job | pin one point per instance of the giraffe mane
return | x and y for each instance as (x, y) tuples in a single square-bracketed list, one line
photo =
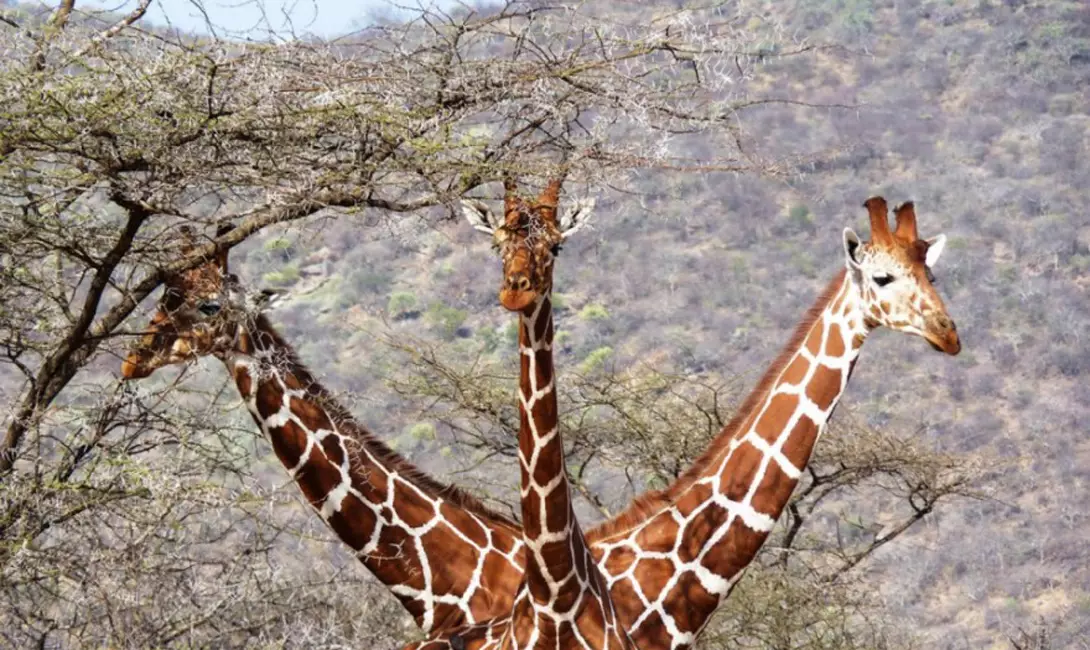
[(379, 449), (652, 502)]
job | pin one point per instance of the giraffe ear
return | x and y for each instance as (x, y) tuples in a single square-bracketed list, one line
[(480, 216), (935, 246), (851, 248), (572, 220)]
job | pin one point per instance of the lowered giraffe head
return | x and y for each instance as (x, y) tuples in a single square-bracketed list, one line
[(528, 237), (893, 274), (197, 315)]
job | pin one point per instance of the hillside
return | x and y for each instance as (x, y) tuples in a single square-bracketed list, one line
[(977, 111)]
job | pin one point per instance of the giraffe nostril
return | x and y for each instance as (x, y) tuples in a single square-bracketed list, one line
[(524, 283)]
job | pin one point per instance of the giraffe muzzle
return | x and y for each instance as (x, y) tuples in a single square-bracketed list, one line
[(517, 282), (517, 294), (943, 335), (513, 300)]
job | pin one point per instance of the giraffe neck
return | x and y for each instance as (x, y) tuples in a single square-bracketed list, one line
[(564, 593), (446, 557), (706, 528), (549, 525)]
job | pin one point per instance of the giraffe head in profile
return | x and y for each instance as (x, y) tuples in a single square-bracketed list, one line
[(197, 315), (893, 275), (528, 238)]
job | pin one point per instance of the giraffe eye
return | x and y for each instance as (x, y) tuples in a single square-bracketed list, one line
[(930, 275), (883, 279), (209, 308)]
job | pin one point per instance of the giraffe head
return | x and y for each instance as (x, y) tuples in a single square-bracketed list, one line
[(197, 315), (893, 274), (528, 237)]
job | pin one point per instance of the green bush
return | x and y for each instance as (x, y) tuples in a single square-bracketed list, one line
[(279, 249), (800, 218), (400, 302), (595, 359), (511, 332), (593, 312), (423, 431), (285, 277), (445, 320)]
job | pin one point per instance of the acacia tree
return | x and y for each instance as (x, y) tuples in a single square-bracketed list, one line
[(129, 517)]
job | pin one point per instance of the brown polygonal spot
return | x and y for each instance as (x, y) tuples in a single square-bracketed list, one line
[(557, 558), (413, 509), (243, 381), (824, 386), (652, 633), (592, 626), (309, 412), (774, 491), (354, 523), (800, 443), (696, 534), (291, 382), (697, 494), (371, 479), (734, 551), (317, 478), (557, 504), (505, 543), (270, 399), (485, 602), (740, 473), (689, 603), (289, 442), (618, 560), (653, 574), (659, 533), (774, 419), (625, 599), (452, 561), (331, 447), (795, 372), (396, 558), (463, 522), (834, 345)]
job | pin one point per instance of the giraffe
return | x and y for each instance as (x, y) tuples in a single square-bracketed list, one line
[(675, 554), (447, 558), (564, 604), (672, 556)]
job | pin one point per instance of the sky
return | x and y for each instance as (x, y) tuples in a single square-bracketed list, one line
[(243, 18)]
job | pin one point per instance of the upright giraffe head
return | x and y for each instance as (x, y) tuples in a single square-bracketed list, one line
[(528, 237), (197, 315), (893, 274)]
